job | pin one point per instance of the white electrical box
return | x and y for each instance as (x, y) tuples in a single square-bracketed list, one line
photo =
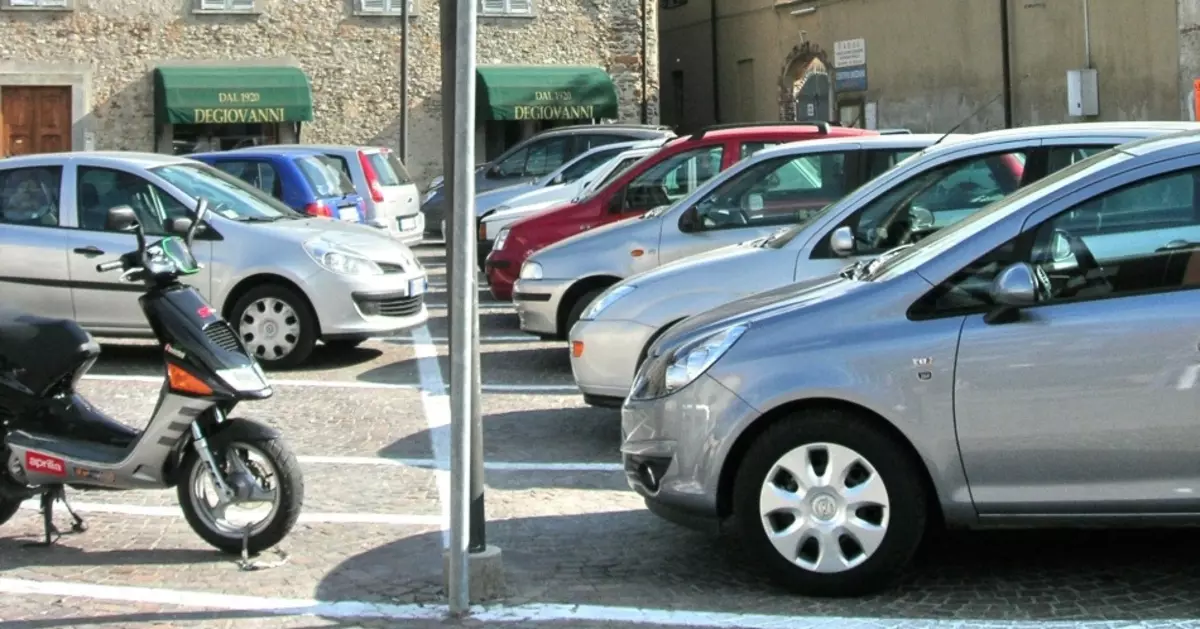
[(1083, 92)]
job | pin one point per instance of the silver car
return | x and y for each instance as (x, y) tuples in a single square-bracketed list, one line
[(775, 186), (935, 188), (392, 198), (285, 279), (1033, 364)]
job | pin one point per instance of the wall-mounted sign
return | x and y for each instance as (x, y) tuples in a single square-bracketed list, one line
[(850, 52), (852, 79)]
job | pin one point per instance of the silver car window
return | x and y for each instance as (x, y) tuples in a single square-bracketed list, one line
[(228, 196), (30, 196)]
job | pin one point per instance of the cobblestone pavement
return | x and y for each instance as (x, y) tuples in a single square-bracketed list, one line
[(579, 548)]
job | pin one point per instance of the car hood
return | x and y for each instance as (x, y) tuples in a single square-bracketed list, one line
[(485, 201), (694, 263), (557, 193), (761, 306), (361, 239), (522, 211), (601, 239)]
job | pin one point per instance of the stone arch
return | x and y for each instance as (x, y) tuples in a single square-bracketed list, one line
[(805, 81)]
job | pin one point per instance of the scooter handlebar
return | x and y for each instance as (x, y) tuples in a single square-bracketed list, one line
[(105, 267)]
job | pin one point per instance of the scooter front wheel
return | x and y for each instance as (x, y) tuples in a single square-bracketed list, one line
[(269, 494)]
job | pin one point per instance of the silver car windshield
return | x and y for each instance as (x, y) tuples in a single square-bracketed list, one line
[(948, 237), (227, 195)]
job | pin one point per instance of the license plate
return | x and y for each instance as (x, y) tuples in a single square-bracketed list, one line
[(348, 213), (417, 286), (408, 224)]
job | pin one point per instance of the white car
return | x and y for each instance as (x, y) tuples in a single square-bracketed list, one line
[(494, 222)]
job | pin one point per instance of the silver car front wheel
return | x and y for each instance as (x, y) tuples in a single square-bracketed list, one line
[(276, 324), (830, 503)]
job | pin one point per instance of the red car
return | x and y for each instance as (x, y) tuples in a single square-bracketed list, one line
[(675, 171)]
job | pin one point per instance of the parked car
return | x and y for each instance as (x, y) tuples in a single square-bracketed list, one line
[(552, 184), (535, 157), (283, 278), (389, 193), (941, 185), (675, 171), (1033, 363), (304, 180), (495, 221), (774, 187)]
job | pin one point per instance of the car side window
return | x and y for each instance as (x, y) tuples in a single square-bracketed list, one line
[(546, 157), (30, 196), (513, 165), (750, 148), (593, 140), (780, 191), (880, 161), (1059, 157), (259, 174), (673, 178), (935, 199), (1144, 237), (587, 164), (100, 189)]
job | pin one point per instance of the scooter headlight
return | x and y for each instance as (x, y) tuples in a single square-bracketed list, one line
[(245, 379)]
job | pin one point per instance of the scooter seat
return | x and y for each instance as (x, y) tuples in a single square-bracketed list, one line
[(39, 351)]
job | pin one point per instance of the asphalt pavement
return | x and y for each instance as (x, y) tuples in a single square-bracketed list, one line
[(580, 550)]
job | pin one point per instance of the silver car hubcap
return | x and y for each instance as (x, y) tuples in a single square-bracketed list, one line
[(270, 328), (824, 507)]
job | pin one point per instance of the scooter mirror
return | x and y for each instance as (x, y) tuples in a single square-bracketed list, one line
[(121, 218)]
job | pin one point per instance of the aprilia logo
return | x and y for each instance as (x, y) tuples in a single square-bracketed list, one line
[(45, 464)]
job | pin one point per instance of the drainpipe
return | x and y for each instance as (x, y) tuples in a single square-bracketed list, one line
[(1087, 36), (716, 89), (1006, 64), (645, 63)]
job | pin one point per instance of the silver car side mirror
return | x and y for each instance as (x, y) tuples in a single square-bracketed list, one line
[(1015, 286), (841, 242)]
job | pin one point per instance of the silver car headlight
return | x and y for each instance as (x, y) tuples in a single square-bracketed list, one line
[(531, 271), (693, 360), (500, 238), (338, 260), (606, 299)]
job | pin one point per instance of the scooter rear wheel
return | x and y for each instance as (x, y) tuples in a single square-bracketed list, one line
[(275, 472)]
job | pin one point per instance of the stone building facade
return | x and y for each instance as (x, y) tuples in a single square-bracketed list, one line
[(926, 65), (155, 75)]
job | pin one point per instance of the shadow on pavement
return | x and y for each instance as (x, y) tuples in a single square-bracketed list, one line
[(541, 366), (632, 559), (17, 554), (146, 360)]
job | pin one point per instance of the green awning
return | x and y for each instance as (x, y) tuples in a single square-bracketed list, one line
[(511, 92), (231, 94)]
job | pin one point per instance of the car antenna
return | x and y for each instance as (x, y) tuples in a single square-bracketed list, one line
[(972, 115)]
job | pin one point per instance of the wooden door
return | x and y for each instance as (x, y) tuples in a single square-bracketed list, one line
[(36, 119)]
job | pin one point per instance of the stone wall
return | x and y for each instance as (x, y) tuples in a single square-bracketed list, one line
[(352, 60)]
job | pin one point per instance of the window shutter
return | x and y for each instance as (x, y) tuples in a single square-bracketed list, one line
[(373, 6), (492, 6), (520, 6)]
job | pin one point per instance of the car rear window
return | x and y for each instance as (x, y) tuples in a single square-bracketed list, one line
[(324, 176), (391, 172)]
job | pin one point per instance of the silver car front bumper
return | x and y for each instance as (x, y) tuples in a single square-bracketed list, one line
[(364, 306), (667, 448), (604, 356), (537, 303)]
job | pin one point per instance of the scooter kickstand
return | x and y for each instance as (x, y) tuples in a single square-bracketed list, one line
[(77, 523), (52, 532)]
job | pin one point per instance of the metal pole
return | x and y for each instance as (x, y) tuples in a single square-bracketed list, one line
[(404, 82), (1087, 35), (458, 579)]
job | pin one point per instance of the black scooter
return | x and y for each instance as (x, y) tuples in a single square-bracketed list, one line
[(54, 438)]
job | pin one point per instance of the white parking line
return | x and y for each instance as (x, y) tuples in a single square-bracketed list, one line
[(496, 466), (533, 612), (511, 338), (359, 384), (401, 519), (435, 402), (484, 307)]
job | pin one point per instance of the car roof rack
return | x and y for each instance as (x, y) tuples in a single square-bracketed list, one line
[(894, 131), (821, 125)]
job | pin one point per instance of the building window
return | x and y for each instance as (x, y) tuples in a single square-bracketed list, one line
[(506, 7), (225, 6), (384, 7), (46, 5)]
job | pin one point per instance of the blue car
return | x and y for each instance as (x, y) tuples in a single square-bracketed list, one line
[(306, 181)]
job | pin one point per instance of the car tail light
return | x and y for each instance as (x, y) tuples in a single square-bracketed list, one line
[(372, 177), (318, 208)]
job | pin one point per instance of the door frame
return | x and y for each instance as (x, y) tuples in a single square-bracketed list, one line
[(77, 77)]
